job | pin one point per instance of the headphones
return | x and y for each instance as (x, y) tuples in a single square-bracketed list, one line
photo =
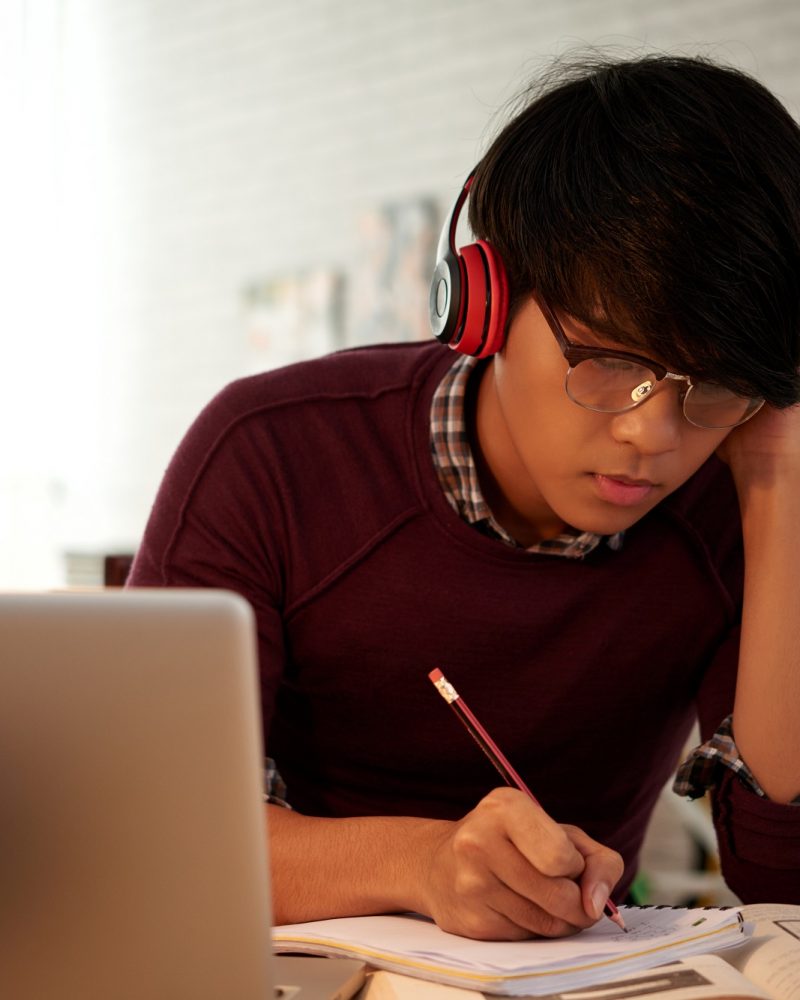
[(468, 303)]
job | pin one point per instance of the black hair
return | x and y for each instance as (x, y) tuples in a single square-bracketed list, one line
[(657, 200)]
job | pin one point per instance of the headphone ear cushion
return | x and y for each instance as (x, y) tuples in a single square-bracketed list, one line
[(498, 300), (475, 291), (486, 311)]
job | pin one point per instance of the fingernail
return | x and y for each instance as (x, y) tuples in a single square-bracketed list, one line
[(600, 895)]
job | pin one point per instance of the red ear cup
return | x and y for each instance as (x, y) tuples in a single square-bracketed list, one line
[(498, 301), (475, 294), (469, 292), (485, 294)]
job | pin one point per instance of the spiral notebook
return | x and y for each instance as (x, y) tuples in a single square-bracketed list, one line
[(415, 946)]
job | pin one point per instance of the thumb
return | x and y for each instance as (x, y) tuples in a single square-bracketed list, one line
[(603, 869)]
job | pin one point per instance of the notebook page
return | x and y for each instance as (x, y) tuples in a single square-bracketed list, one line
[(651, 931)]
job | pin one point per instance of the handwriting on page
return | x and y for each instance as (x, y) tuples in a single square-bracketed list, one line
[(648, 924)]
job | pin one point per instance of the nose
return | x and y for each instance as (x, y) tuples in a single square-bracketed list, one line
[(657, 425)]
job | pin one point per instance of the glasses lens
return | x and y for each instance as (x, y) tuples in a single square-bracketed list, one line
[(609, 384), (710, 405)]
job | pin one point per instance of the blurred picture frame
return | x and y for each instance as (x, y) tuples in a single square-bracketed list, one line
[(388, 293), (293, 317)]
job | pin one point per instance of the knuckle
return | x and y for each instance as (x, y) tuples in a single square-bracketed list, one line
[(496, 802), (479, 925), (500, 794), (551, 896), (467, 843), (558, 857), (560, 900), (468, 884), (549, 925), (611, 863)]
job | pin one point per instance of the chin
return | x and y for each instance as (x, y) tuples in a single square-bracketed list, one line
[(607, 522)]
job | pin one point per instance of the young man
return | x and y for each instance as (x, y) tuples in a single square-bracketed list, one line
[(592, 531)]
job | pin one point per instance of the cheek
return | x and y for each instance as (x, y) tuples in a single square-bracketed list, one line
[(543, 422), (700, 446), (531, 392)]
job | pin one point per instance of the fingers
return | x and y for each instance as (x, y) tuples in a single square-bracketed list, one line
[(603, 869), (499, 914), (508, 871), (492, 875), (544, 843)]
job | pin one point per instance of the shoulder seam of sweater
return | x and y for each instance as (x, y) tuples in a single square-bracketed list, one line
[(238, 419)]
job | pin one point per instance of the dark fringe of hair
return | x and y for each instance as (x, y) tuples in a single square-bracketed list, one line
[(656, 200)]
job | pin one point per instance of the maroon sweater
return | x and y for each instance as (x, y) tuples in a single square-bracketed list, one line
[(311, 491)]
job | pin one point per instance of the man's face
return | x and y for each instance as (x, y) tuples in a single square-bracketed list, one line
[(547, 462)]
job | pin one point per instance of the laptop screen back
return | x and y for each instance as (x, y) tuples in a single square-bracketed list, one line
[(132, 844)]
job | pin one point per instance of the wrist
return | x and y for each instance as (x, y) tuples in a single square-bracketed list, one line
[(767, 471), (768, 490), (419, 869)]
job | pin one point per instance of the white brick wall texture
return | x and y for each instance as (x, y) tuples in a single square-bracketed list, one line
[(207, 144)]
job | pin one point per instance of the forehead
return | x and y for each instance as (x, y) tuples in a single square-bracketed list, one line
[(598, 331)]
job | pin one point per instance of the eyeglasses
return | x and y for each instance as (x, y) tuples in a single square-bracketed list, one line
[(610, 381)]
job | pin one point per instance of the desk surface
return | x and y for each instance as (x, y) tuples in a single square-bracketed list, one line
[(392, 986)]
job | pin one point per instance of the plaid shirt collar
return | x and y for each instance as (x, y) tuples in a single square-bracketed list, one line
[(455, 466)]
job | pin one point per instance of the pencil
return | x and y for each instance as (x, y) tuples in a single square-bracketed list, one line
[(497, 757)]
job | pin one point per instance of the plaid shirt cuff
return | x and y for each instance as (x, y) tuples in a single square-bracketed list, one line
[(274, 785), (702, 768)]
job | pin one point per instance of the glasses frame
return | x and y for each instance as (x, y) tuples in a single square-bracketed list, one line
[(576, 353)]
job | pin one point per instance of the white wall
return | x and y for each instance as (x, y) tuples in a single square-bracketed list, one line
[(200, 144)]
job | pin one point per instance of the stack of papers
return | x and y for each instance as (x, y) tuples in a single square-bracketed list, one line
[(415, 946)]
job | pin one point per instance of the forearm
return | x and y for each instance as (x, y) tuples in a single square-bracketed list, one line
[(334, 867), (506, 870), (766, 717)]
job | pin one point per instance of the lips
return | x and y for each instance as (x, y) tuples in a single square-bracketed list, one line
[(622, 490)]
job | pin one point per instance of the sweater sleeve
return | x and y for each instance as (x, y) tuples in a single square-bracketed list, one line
[(214, 523), (759, 840)]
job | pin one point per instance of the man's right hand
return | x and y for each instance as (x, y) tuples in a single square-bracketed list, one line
[(507, 871)]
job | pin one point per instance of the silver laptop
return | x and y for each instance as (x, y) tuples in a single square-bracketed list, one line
[(133, 859)]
